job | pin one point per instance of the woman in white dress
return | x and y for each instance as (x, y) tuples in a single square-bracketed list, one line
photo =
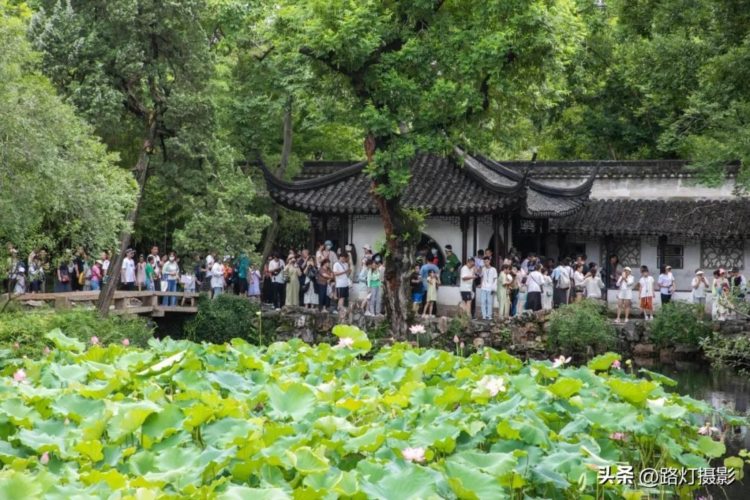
[(625, 285), (546, 290)]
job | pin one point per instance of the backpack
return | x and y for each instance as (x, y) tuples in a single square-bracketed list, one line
[(563, 278)]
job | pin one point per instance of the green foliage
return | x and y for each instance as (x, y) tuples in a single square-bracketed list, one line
[(579, 326), (225, 318), (28, 329), (291, 420), (679, 323), (220, 219), (731, 351), (58, 183)]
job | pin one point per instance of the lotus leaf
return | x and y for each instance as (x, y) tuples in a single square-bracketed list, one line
[(186, 420)]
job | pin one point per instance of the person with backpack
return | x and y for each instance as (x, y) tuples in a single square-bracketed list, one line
[(63, 277), (562, 278)]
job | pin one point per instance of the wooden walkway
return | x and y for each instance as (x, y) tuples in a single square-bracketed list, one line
[(123, 303)]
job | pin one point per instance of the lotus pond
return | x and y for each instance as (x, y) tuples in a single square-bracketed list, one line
[(181, 419)]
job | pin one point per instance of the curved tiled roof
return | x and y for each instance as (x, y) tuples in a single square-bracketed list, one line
[(438, 185), (691, 218), (611, 169)]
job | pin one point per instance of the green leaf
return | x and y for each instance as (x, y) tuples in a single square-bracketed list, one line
[(295, 401), (658, 377), (633, 392), (309, 462), (468, 482), (603, 362), (565, 387), (361, 342), (129, 417), (711, 448), (234, 492), (63, 342)]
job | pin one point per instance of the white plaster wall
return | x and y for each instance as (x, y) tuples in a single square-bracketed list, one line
[(444, 233), (367, 231), (652, 188)]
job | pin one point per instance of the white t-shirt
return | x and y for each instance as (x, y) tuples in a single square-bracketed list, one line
[(128, 270), (625, 284), (646, 284), (273, 266), (665, 283), (217, 275), (534, 281), (699, 288), (105, 266), (593, 286), (342, 280), (465, 285), (489, 278), (578, 278)]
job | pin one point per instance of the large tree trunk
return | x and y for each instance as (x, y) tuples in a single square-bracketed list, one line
[(398, 263), (286, 151), (141, 174)]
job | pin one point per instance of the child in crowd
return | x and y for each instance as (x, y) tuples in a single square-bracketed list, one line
[(647, 292), (188, 284), (432, 287)]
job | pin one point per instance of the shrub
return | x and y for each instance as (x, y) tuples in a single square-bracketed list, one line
[(225, 318), (576, 327), (28, 329), (730, 351), (679, 323)]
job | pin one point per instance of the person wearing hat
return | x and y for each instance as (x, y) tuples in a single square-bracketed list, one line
[(666, 284), (127, 274), (452, 264), (624, 293), (647, 293), (699, 286)]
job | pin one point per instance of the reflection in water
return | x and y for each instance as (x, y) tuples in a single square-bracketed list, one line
[(721, 389)]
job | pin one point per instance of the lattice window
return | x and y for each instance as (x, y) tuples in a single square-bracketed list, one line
[(627, 250), (527, 225), (722, 253)]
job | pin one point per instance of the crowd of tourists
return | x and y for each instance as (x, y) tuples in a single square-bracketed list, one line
[(498, 288)]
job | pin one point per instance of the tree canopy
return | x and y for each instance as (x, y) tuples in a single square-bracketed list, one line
[(59, 184), (228, 83)]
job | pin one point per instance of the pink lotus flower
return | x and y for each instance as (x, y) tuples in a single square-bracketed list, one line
[(462, 345), (617, 436), (19, 375), (456, 339), (46, 351), (16, 345), (94, 340), (560, 361), (616, 364), (125, 342), (416, 329), (67, 422), (413, 454), (44, 459), (708, 430), (345, 343)]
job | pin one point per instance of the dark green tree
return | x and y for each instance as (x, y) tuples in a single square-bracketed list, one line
[(424, 76)]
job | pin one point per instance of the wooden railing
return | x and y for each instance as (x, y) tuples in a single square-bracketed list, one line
[(124, 302)]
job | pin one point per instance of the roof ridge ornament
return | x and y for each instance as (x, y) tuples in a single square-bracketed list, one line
[(490, 179)]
